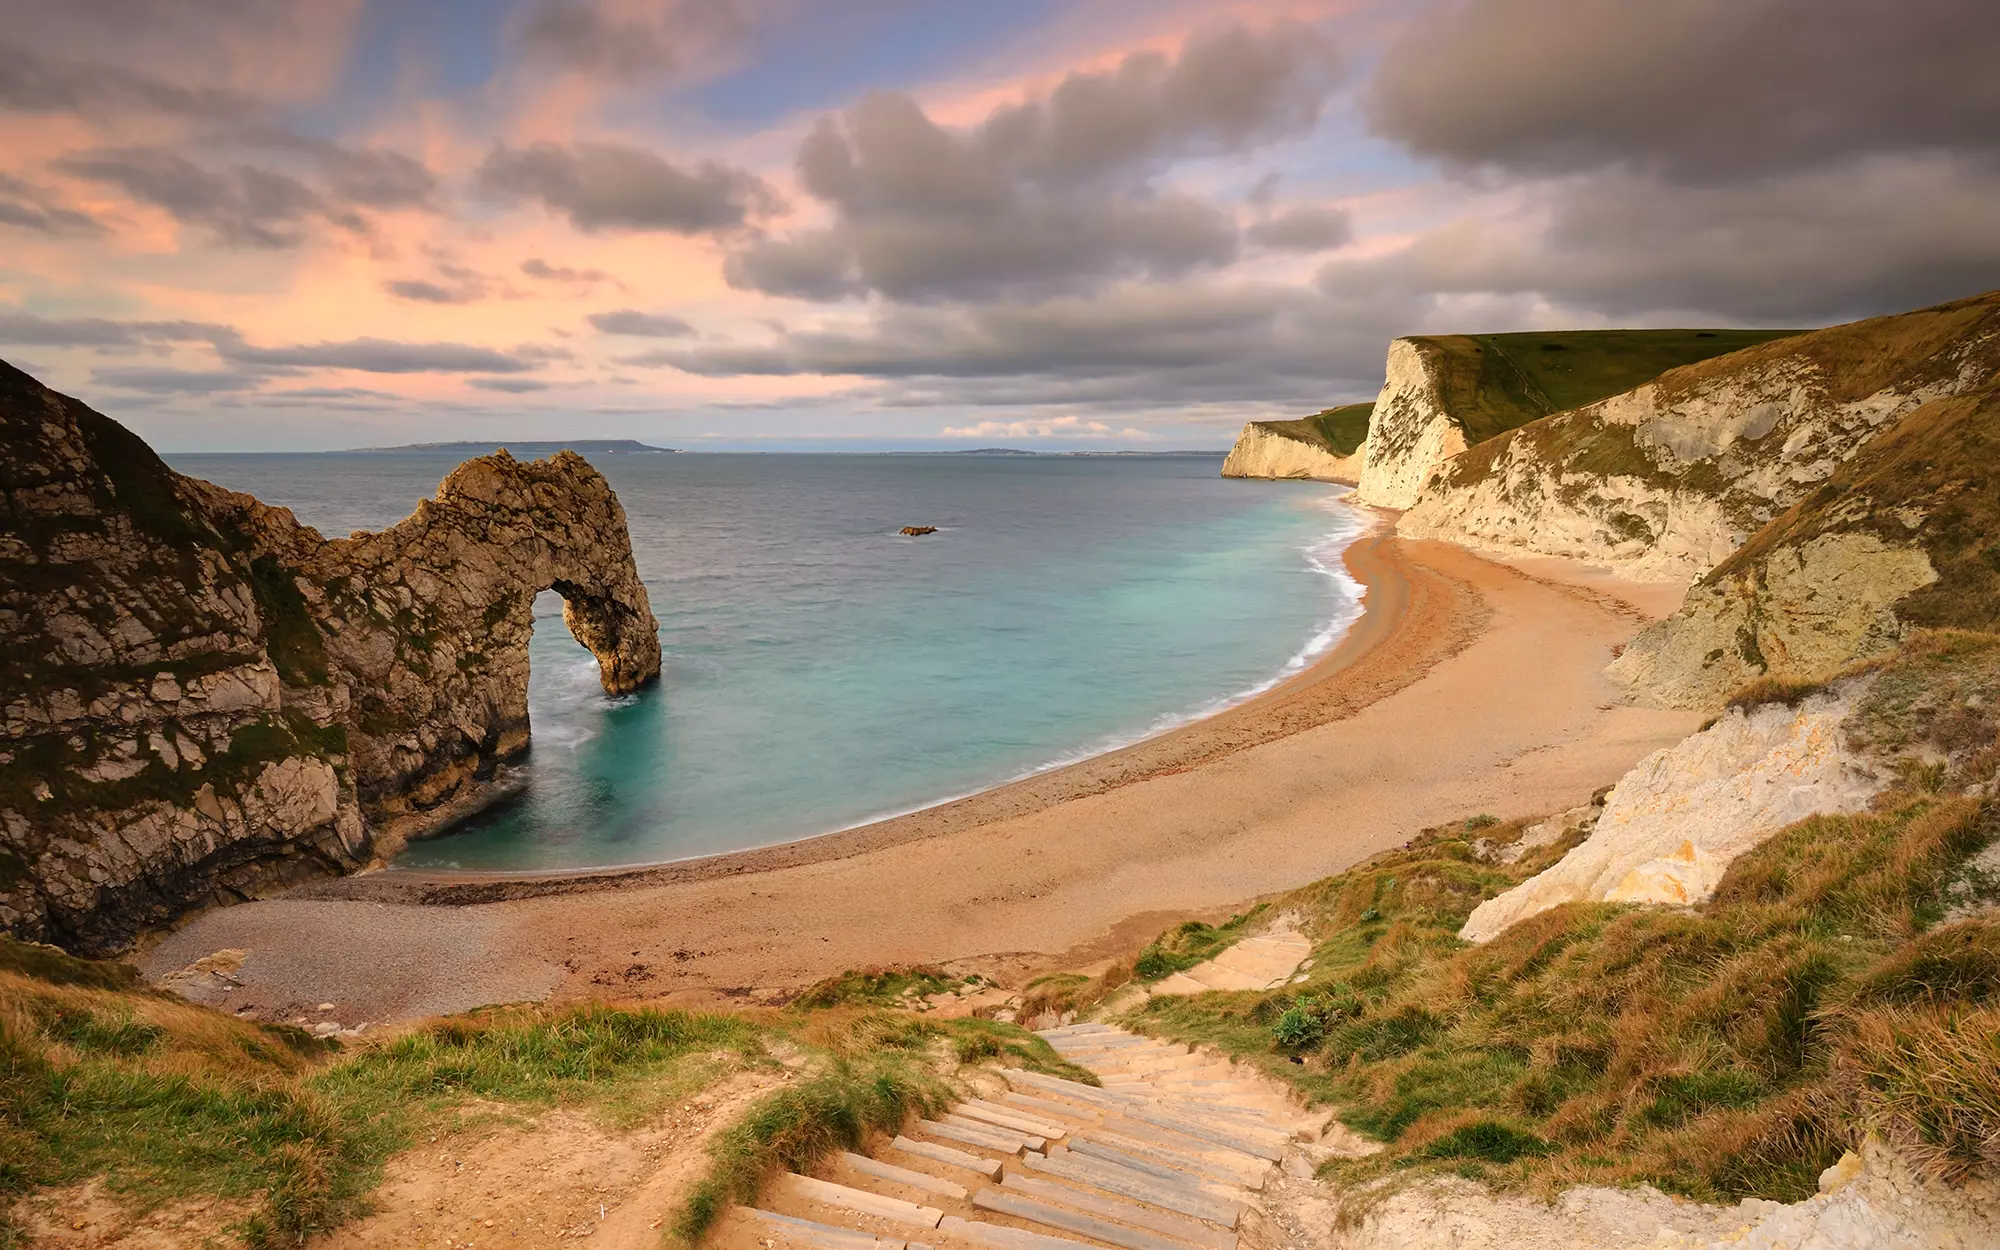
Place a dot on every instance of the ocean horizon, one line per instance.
(822, 671)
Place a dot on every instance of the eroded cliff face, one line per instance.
(1898, 537)
(1672, 825)
(1665, 481)
(203, 698)
(1261, 451)
(1412, 433)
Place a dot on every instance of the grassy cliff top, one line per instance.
(1495, 382)
(1338, 430)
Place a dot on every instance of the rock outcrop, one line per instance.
(1672, 825)
(1898, 537)
(203, 697)
(1267, 449)
(1872, 1199)
(1414, 430)
(1665, 481)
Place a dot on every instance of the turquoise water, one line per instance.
(822, 670)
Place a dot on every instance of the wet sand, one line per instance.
(1468, 685)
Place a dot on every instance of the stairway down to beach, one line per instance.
(1259, 963)
(1167, 1155)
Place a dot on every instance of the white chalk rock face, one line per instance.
(1675, 822)
(1410, 435)
(1870, 1200)
(1263, 452)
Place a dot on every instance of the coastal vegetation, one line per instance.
(163, 1101)
(1338, 430)
(1492, 383)
(1845, 978)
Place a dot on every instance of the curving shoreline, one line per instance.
(1467, 685)
(1300, 701)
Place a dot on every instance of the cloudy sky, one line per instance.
(265, 224)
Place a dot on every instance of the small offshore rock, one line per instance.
(918, 531)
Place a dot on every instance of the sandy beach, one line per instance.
(1468, 685)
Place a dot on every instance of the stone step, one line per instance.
(1159, 1061)
(1020, 1140)
(1022, 1207)
(1098, 1041)
(1187, 1199)
(1034, 1104)
(1178, 983)
(1179, 1227)
(1266, 1111)
(790, 1230)
(1240, 1170)
(847, 1198)
(1176, 1170)
(998, 1140)
(1224, 979)
(1139, 1131)
(1010, 1118)
(1265, 1144)
(1001, 1237)
(905, 1176)
(1090, 1095)
(1081, 1026)
(950, 1157)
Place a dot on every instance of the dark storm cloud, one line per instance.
(100, 332)
(29, 207)
(581, 36)
(1307, 228)
(1699, 89)
(1134, 346)
(242, 206)
(246, 205)
(367, 355)
(611, 186)
(1860, 238)
(1048, 195)
(454, 284)
(425, 292)
(631, 321)
(536, 267)
(32, 81)
(164, 381)
(372, 355)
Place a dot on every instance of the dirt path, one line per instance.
(560, 1176)
(1469, 686)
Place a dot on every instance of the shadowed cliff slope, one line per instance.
(200, 697)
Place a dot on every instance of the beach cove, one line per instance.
(1468, 685)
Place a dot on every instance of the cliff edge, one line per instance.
(1667, 480)
(1444, 393)
(201, 697)
(1324, 447)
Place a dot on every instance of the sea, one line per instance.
(822, 670)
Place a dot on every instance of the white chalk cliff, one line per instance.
(1262, 451)
(1412, 432)
(1672, 825)
(1664, 481)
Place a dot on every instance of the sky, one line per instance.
(842, 224)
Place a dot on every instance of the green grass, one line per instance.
(1495, 382)
(1186, 945)
(101, 1077)
(1337, 430)
(879, 987)
(166, 1100)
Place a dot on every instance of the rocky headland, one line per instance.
(204, 698)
